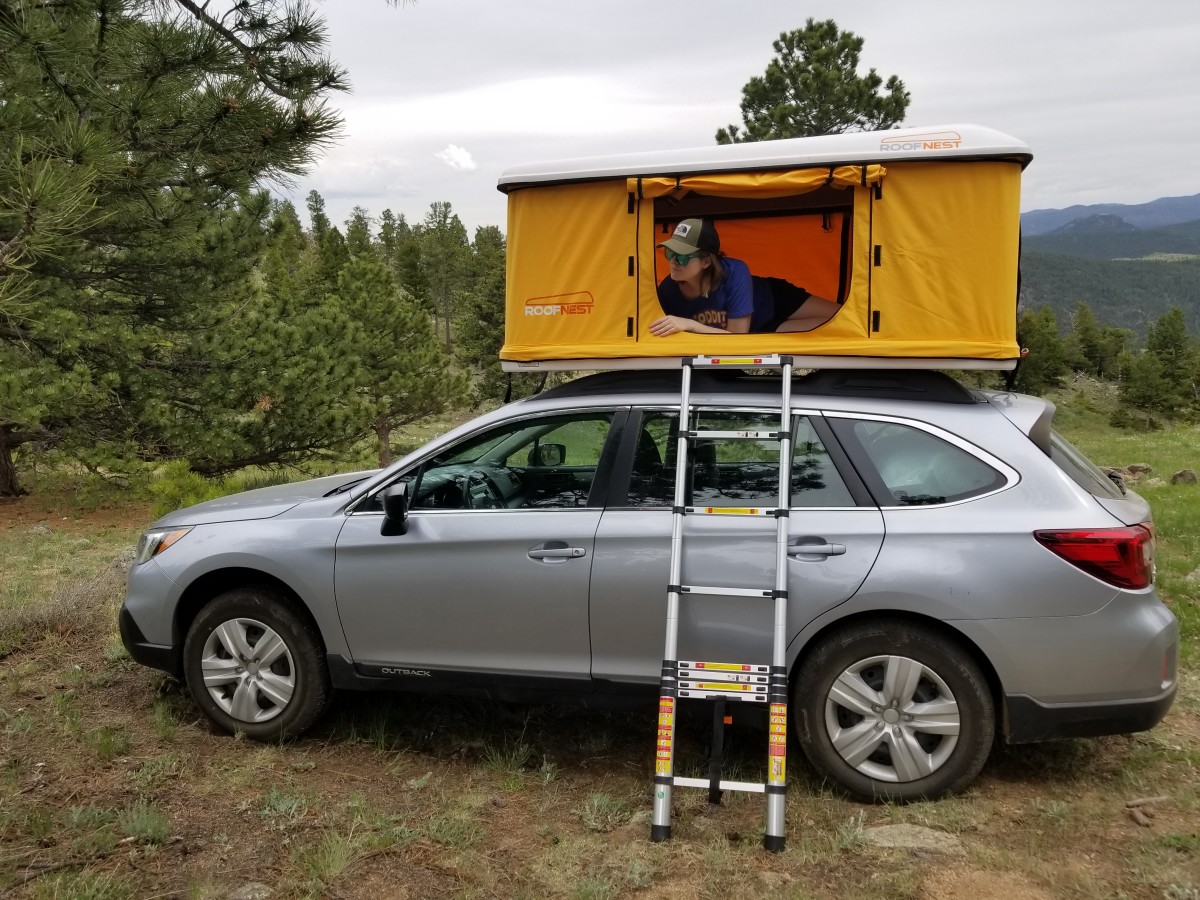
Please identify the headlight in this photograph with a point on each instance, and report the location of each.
(153, 543)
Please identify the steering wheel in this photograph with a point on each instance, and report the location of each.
(480, 491)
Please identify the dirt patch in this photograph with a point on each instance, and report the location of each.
(979, 884)
(65, 510)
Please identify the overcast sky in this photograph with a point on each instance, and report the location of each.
(447, 94)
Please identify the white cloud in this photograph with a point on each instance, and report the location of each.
(457, 158)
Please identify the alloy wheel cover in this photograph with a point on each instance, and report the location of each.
(248, 670)
(892, 718)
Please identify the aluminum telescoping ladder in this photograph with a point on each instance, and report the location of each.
(726, 681)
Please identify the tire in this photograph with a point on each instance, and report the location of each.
(225, 643)
(891, 711)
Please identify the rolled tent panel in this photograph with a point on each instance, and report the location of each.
(760, 185)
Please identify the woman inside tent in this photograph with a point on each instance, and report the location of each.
(708, 292)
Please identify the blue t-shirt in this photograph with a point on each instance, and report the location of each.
(737, 296)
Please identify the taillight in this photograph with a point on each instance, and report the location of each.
(1123, 557)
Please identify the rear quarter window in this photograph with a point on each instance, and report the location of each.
(917, 468)
(1081, 470)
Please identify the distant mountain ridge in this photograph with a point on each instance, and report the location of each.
(1155, 214)
(1105, 223)
(1111, 237)
(1129, 276)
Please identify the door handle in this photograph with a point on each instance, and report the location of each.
(556, 550)
(816, 550)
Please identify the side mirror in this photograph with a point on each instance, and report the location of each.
(395, 509)
(551, 455)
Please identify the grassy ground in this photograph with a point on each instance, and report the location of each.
(112, 786)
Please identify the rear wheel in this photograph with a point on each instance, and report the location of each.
(892, 711)
(254, 665)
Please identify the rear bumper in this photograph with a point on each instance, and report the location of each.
(156, 656)
(1112, 672)
(1028, 721)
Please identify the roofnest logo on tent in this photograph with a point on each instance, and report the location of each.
(933, 140)
(576, 304)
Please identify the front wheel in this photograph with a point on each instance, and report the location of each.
(893, 711)
(255, 666)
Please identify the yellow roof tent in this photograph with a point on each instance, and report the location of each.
(913, 232)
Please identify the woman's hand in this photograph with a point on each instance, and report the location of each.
(671, 325)
(676, 324)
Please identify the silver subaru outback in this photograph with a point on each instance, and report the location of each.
(957, 572)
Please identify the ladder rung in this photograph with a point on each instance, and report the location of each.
(731, 677)
(756, 684)
(744, 362)
(724, 591)
(747, 693)
(748, 786)
(734, 435)
(767, 511)
(730, 672)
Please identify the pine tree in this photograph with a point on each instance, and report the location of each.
(1169, 342)
(812, 87)
(332, 255)
(1145, 389)
(405, 377)
(1082, 343)
(399, 246)
(133, 139)
(318, 221)
(358, 233)
(1113, 342)
(444, 252)
(388, 240)
(1045, 363)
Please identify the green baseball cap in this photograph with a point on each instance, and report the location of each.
(691, 235)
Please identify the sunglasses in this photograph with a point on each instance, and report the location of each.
(680, 259)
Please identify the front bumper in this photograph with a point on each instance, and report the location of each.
(156, 656)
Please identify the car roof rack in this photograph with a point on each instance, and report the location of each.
(890, 384)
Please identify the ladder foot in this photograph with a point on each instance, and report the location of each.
(774, 843)
(659, 833)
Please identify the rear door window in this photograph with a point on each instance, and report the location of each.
(728, 473)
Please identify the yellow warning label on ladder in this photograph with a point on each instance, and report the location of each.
(735, 361)
(777, 752)
(725, 686)
(727, 667)
(666, 727)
